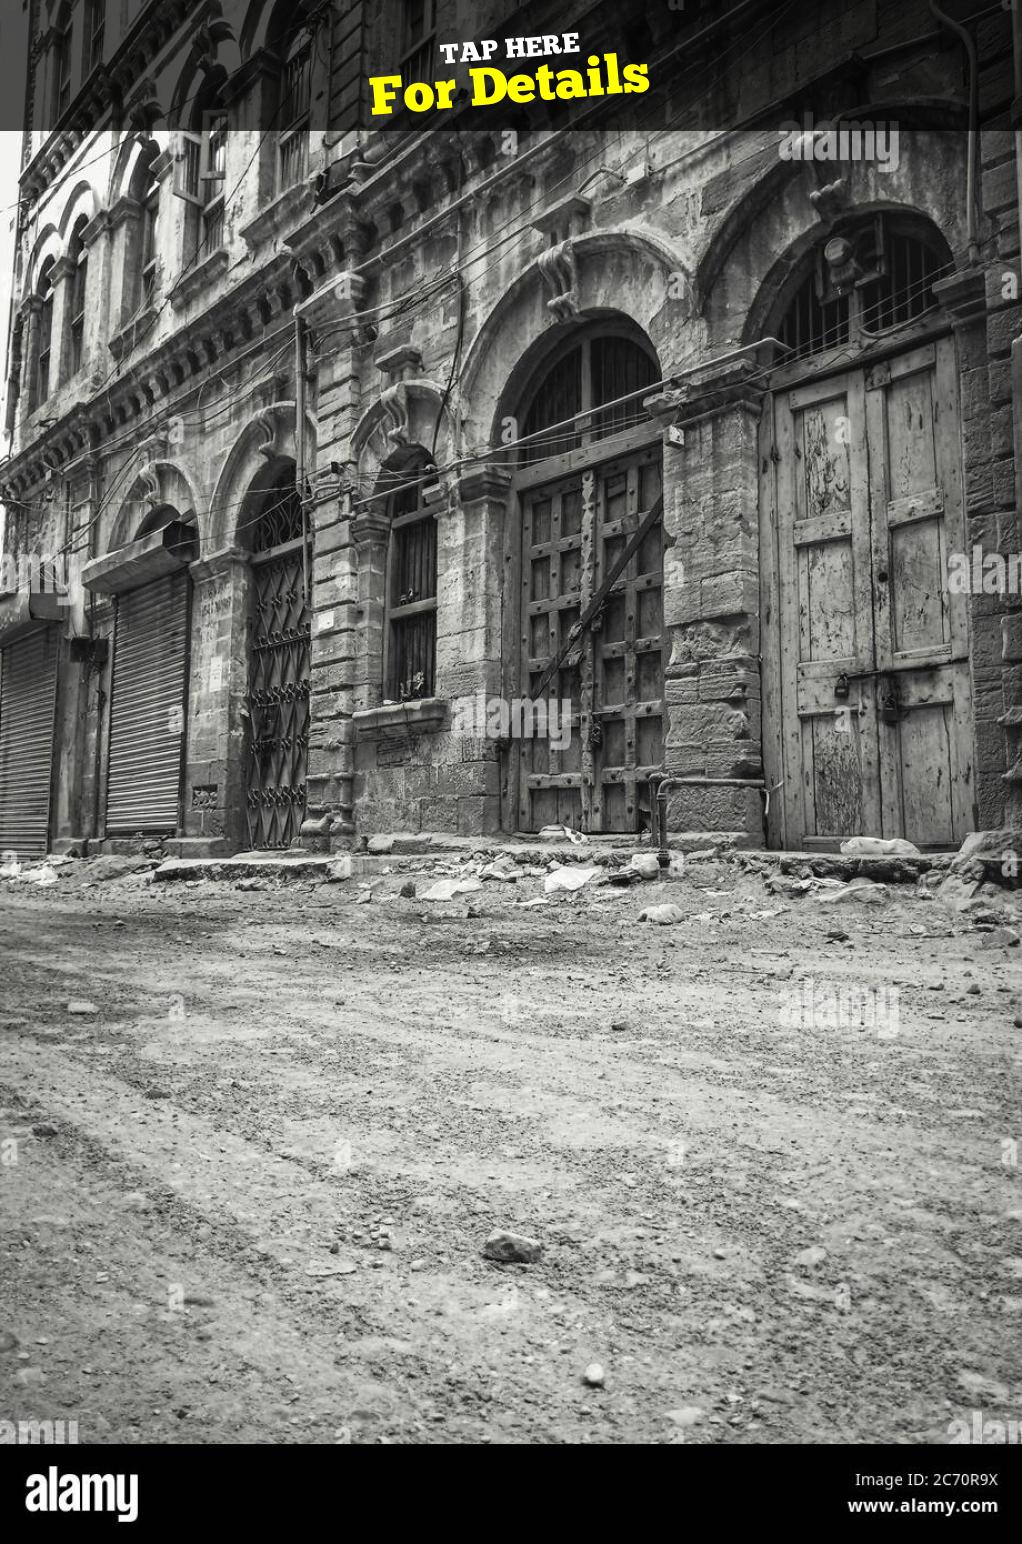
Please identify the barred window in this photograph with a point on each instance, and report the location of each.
(595, 372)
(869, 277)
(78, 254)
(411, 590)
(42, 379)
(295, 88)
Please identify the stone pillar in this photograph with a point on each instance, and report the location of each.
(61, 275)
(216, 771)
(29, 355)
(338, 666)
(713, 733)
(989, 522)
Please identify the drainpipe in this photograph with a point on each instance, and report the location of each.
(1016, 106)
(968, 43)
(300, 447)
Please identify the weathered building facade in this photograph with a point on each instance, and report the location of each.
(349, 430)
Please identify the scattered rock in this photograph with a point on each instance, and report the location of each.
(512, 1247)
(8, 1340)
(662, 915)
(45, 1128)
(250, 884)
(82, 1008)
(814, 1255)
(686, 1415)
(447, 889)
(408, 889)
(338, 869)
(331, 1268)
(1000, 938)
(594, 1376)
(879, 847)
(865, 892)
(568, 878)
(646, 865)
(973, 990)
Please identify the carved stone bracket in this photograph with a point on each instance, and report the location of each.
(559, 270)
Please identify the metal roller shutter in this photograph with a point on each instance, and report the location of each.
(147, 707)
(28, 694)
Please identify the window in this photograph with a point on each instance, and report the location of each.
(95, 19)
(419, 37)
(866, 279)
(295, 88)
(42, 377)
(147, 189)
(411, 590)
(599, 369)
(78, 254)
(62, 62)
(204, 166)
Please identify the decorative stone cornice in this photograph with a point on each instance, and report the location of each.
(192, 283)
(963, 295)
(485, 482)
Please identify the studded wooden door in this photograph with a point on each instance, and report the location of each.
(588, 764)
(278, 696)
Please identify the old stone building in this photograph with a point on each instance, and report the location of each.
(327, 435)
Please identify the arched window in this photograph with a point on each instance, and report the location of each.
(601, 366)
(866, 279)
(202, 179)
(77, 283)
(42, 373)
(145, 190)
(410, 645)
(92, 44)
(63, 28)
(293, 113)
(279, 516)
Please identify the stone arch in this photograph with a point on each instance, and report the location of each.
(268, 437)
(635, 275)
(403, 418)
(158, 486)
(45, 249)
(82, 200)
(131, 151)
(739, 275)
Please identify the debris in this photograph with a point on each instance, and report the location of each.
(447, 889)
(250, 884)
(364, 898)
(537, 900)
(11, 869)
(814, 1255)
(1000, 937)
(623, 877)
(380, 844)
(864, 891)
(512, 1247)
(558, 834)
(837, 935)
(568, 878)
(973, 990)
(662, 914)
(81, 1008)
(44, 875)
(505, 871)
(685, 1415)
(44, 1128)
(956, 892)
(879, 847)
(338, 869)
(646, 865)
(619, 1024)
(594, 1376)
(330, 1268)
(785, 884)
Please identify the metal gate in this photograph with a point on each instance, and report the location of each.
(147, 707)
(278, 694)
(573, 531)
(28, 695)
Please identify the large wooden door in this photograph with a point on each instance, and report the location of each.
(867, 709)
(573, 530)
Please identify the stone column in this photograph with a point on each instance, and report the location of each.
(29, 355)
(216, 766)
(60, 336)
(339, 682)
(711, 604)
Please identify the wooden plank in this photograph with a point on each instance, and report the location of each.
(770, 682)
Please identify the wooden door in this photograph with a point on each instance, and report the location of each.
(866, 674)
(574, 528)
(922, 693)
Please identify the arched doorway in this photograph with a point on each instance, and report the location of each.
(149, 684)
(588, 482)
(867, 711)
(272, 528)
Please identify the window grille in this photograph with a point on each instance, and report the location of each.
(599, 369)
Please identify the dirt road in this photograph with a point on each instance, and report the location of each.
(245, 1199)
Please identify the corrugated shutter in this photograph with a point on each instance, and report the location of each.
(28, 694)
(147, 707)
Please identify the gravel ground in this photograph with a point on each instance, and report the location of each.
(772, 1168)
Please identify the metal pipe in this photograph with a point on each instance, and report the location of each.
(300, 446)
(658, 789)
(1016, 106)
(968, 43)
